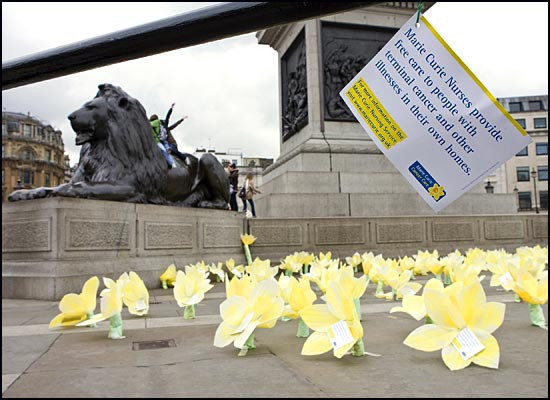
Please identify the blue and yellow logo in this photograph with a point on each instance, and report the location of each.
(427, 181)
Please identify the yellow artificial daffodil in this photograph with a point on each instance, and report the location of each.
(459, 310)
(190, 288)
(354, 261)
(168, 277)
(260, 270)
(236, 270)
(218, 271)
(134, 293)
(322, 317)
(77, 307)
(299, 296)
(111, 307)
(241, 316)
(534, 291)
(247, 241)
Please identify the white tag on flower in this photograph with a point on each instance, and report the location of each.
(506, 281)
(140, 305)
(467, 344)
(339, 335)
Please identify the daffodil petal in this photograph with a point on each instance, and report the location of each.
(89, 293)
(93, 320)
(56, 321)
(452, 358)
(318, 317)
(472, 303)
(72, 303)
(492, 318)
(316, 343)
(430, 337)
(490, 356)
(243, 337)
(223, 336)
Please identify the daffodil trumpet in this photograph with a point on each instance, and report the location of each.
(189, 311)
(115, 327)
(537, 316)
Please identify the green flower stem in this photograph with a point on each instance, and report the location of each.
(380, 288)
(393, 294)
(115, 327)
(247, 254)
(447, 280)
(248, 345)
(288, 272)
(88, 316)
(164, 285)
(189, 311)
(356, 302)
(428, 320)
(303, 329)
(438, 276)
(536, 315)
(413, 278)
(358, 349)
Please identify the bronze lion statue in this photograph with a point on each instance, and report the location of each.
(120, 161)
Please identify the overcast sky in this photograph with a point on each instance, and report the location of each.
(229, 88)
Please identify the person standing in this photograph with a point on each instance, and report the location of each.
(233, 186)
(250, 191)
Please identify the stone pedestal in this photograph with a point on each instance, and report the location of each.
(51, 246)
(328, 165)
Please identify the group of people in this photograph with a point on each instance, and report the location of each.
(162, 133)
(246, 193)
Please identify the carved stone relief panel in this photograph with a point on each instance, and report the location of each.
(347, 48)
(294, 87)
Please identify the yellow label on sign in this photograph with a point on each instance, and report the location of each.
(375, 115)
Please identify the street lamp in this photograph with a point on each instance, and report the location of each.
(516, 195)
(534, 175)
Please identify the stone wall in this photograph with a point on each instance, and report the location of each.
(51, 246)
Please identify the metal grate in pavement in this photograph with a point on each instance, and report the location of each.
(153, 344)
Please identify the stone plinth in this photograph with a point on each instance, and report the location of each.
(51, 246)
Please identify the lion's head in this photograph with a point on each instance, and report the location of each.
(118, 145)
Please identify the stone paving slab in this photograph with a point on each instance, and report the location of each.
(82, 362)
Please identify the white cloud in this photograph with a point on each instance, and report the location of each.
(229, 88)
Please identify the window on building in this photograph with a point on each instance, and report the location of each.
(515, 106)
(543, 199)
(522, 152)
(524, 200)
(48, 155)
(3, 177)
(234, 161)
(27, 177)
(3, 151)
(521, 122)
(27, 155)
(4, 130)
(47, 179)
(27, 130)
(523, 174)
(542, 172)
(535, 105)
(542, 148)
(540, 123)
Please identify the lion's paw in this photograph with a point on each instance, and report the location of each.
(29, 194)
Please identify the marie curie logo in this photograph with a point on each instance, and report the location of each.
(427, 181)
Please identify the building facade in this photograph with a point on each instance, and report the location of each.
(32, 153)
(526, 174)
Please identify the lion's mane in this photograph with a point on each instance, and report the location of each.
(123, 149)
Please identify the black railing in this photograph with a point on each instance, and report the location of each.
(184, 30)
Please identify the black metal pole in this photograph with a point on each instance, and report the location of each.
(183, 30)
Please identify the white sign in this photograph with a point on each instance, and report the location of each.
(467, 344)
(431, 116)
(339, 335)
